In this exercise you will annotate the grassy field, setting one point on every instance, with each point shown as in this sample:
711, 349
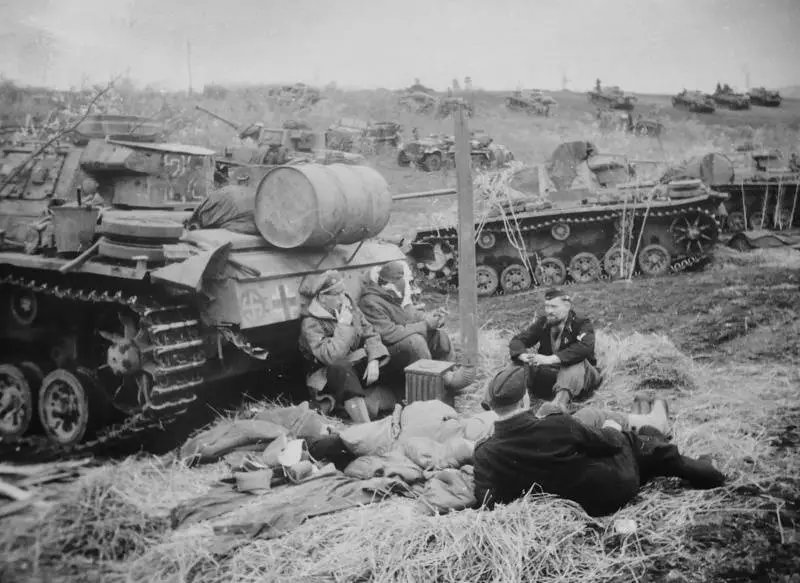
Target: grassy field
722, 345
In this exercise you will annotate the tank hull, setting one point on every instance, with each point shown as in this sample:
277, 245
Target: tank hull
575, 245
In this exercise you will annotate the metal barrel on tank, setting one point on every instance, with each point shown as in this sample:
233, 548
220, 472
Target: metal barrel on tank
313, 205
711, 168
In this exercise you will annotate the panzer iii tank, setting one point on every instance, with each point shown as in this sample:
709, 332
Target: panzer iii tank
557, 225
764, 97
763, 186
116, 316
612, 97
693, 101
726, 97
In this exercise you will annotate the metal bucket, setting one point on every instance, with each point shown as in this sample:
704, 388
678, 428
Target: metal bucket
313, 205
74, 227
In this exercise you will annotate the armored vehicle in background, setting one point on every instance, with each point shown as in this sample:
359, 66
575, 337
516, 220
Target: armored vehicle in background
299, 94
418, 102
352, 134
627, 122
533, 102
765, 97
450, 105
763, 186
261, 148
694, 102
557, 224
437, 151
726, 97
612, 97
116, 316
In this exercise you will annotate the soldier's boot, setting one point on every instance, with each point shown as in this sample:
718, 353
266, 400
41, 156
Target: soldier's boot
357, 409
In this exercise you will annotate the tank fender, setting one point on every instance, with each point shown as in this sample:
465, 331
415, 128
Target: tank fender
189, 274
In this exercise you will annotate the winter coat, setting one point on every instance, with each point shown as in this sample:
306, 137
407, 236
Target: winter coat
384, 311
577, 340
323, 340
556, 455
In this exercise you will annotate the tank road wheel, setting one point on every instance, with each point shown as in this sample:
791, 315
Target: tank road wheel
515, 278
756, 220
17, 400
654, 260
784, 219
585, 267
487, 280
69, 406
694, 234
551, 271
432, 162
560, 231
736, 222
614, 259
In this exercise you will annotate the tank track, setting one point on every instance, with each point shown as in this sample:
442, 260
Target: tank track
178, 359
450, 236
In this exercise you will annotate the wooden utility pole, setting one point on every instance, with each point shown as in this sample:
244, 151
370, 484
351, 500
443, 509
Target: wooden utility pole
189, 64
467, 284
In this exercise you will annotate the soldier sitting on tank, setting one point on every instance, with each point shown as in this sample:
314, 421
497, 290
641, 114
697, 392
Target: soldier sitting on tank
565, 366
341, 348
407, 332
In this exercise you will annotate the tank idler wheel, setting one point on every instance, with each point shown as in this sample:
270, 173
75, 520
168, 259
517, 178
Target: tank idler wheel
487, 240
515, 278
585, 267
756, 220
614, 259
654, 260
433, 162
736, 222
487, 280
17, 399
23, 307
70, 406
694, 233
551, 271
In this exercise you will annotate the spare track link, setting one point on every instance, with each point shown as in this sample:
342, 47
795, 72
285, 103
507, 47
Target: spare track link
449, 235
178, 360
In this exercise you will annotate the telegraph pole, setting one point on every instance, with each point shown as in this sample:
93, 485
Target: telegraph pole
189, 64
467, 284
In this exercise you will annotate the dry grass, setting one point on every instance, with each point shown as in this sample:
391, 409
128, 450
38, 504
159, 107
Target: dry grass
536, 539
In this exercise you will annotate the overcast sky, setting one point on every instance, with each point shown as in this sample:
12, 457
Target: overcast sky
650, 46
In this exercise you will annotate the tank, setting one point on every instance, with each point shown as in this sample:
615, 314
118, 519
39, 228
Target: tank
627, 122
450, 105
355, 135
558, 225
128, 285
726, 97
437, 151
763, 186
418, 102
611, 97
765, 97
533, 102
694, 102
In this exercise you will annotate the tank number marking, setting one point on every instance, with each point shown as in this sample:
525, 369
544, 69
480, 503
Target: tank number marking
254, 306
177, 164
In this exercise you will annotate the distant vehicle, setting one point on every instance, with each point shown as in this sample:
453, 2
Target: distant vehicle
638, 125
419, 102
694, 101
765, 97
438, 150
726, 97
352, 134
449, 105
612, 97
299, 94
533, 102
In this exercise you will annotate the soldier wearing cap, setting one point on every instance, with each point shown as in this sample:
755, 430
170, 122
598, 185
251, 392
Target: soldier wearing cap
596, 458
408, 333
564, 368
342, 350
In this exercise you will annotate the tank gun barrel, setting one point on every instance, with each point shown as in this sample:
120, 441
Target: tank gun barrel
228, 122
425, 194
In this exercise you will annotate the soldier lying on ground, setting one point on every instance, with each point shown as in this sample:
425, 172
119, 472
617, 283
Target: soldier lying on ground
596, 458
341, 348
408, 333
565, 366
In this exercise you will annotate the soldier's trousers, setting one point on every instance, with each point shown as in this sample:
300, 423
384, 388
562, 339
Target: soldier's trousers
580, 380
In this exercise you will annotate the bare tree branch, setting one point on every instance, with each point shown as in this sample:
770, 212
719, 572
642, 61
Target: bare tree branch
15, 172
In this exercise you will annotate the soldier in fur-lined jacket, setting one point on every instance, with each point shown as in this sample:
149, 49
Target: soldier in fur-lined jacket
565, 366
343, 352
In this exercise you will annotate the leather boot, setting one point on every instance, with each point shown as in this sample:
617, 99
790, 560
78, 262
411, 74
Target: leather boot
357, 409
657, 457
